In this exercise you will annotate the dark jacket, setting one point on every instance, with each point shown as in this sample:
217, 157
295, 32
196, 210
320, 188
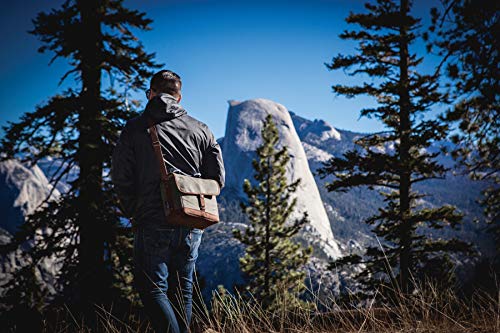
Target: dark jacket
188, 147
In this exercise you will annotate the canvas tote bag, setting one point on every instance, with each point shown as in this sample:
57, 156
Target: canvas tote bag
187, 201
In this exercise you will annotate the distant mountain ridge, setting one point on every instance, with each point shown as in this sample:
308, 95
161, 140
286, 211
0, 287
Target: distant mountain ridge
347, 211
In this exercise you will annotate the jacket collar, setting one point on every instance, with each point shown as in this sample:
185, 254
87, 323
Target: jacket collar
163, 107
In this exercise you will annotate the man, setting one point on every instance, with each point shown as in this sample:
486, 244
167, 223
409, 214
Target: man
164, 256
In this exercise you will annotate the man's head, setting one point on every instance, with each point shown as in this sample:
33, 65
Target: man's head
165, 81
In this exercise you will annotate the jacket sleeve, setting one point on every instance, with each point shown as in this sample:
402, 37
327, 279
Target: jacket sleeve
213, 165
122, 173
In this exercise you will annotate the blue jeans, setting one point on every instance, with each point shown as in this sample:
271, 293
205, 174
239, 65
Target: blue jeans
163, 257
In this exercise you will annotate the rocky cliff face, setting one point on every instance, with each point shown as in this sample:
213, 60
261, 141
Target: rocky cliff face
22, 189
242, 137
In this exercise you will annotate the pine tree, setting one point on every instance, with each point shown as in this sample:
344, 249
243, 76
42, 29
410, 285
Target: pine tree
394, 160
467, 37
79, 128
273, 261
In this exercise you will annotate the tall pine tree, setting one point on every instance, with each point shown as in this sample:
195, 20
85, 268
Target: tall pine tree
394, 160
273, 261
467, 36
78, 128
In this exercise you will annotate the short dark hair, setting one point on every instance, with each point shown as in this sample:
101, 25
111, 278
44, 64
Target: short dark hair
168, 82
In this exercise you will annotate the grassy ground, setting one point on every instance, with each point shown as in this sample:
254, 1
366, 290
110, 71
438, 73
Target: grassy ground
428, 310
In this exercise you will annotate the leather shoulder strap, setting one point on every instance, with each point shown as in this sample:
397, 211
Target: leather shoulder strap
157, 148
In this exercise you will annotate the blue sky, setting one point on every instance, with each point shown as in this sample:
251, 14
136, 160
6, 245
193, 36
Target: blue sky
222, 50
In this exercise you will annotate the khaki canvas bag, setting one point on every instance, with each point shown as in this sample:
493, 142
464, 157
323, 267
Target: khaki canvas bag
187, 201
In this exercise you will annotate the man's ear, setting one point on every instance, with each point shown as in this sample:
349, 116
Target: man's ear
179, 99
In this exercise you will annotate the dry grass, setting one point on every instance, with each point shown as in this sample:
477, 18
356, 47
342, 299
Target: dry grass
427, 310
430, 309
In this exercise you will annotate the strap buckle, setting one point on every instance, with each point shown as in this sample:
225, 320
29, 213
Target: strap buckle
202, 202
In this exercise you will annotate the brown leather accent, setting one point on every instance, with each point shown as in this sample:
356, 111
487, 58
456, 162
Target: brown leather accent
191, 218
157, 148
202, 202
199, 213
163, 170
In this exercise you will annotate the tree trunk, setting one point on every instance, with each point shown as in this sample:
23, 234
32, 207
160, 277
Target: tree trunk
90, 160
404, 153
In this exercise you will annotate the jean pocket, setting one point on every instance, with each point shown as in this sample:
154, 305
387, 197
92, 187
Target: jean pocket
157, 241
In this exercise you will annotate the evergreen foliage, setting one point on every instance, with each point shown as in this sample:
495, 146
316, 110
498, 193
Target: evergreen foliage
79, 128
394, 160
467, 37
273, 261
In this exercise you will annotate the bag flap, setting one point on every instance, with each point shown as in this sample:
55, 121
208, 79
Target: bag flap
194, 185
